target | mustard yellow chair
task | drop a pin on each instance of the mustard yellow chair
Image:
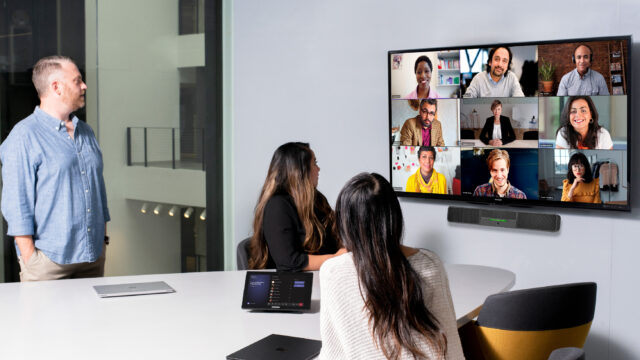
(529, 324)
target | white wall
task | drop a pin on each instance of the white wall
(317, 71)
(520, 55)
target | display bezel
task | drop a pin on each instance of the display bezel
(521, 202)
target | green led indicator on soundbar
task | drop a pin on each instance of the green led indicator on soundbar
(500, 220)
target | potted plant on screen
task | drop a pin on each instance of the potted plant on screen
(546, 70)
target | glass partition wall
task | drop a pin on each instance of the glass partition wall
(148, 65)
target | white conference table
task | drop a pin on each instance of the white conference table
(203, 319)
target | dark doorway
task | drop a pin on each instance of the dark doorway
(30, 30)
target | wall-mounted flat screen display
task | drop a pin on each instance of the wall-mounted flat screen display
(539, 123)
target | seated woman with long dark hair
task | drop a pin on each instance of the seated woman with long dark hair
(580, 186)
(383, 299)
(293, 227)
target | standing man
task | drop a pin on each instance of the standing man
(54, 197)
(499, 81)
(582, 80)
(424, 129)
(499, 186)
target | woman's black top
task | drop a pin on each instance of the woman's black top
(284, 233)
(508, 135)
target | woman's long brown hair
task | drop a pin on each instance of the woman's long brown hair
(590, 141)
(370, 225)
(289, 172)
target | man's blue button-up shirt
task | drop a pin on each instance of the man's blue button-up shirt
(53, 188)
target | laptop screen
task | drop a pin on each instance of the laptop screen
(277, 290)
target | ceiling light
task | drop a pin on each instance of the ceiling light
(174, 209)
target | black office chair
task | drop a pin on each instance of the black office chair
(467, 134)
(242, 254)
(531, 323)
(567, 353)
(530, 135)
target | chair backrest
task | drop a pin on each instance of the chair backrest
(531, 323)
(467, 134)
(530, 135)
(567, 353)
(242, 254)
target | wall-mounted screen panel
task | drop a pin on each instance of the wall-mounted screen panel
(540, 123)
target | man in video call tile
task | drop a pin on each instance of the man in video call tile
(582, 80)
(499, 82)
(499, 186)
(424, 129)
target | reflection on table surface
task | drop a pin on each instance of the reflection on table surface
(203, 316)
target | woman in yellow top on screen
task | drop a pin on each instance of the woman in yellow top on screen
(580, 186)
(426, 179)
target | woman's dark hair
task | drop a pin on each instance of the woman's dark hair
(570, 134)
(493, 51)
(579, 158)
(427, 148)
(421, 59)
(370, 223)
(495, 104)
(290, 173)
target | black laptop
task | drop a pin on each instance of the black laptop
(277, 291)
(279, 347)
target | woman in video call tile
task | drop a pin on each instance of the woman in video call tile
(497, 130)
(423, 70)
(426, 179)
(580, 186)
(580, 128)
(293, 227)
(499, 186)
(413, 317)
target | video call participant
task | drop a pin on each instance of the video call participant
(355, 314)
(497, 130)
(579, 127)
(423, 70)
(499, 186)
(54, 196)
(293, 227)
(424, 129)
(426, 179)
(582, 80)
(499, 81)
(580, 186)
